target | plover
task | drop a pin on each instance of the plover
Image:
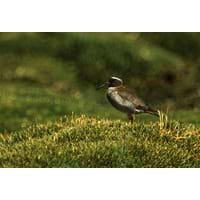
(124, 100)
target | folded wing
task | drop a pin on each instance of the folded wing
(129, 96)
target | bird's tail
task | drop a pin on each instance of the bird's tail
(153, 112)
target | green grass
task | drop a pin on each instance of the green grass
(24, 104)
(94, 142)
(45, 76)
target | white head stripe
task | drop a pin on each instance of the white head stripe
(113, 77)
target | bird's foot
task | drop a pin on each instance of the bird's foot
(131, 118)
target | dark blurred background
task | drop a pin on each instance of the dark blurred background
(47, 75)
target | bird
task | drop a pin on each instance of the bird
(124, 100)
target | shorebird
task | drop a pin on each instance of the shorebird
(124, 100)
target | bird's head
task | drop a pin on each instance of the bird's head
(112, 82)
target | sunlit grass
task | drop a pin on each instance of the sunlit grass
(93, 142)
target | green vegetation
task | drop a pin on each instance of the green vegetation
(91, 142)
(45, 76)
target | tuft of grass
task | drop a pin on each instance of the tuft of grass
(82, 141)
(163, 121)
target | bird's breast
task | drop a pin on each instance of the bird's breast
(118, 102)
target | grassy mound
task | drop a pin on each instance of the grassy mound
(92, 142)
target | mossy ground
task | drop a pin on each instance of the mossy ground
(93, 142)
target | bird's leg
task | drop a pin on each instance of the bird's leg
(130, 117)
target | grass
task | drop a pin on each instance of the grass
(81, 141)
(45, 76)
(23, 104)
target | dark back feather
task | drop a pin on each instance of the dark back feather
(125, 93)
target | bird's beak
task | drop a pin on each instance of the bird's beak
(101, 86)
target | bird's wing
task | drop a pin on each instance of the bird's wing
(126, 94)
